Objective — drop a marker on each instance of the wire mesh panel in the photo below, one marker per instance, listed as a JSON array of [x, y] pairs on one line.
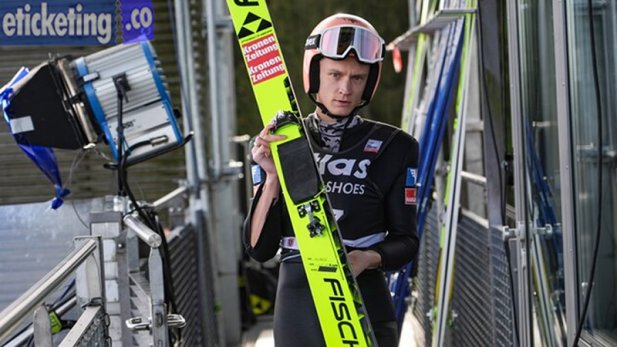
[[90, 330], [481, 296], [502, 291], [425, 280], [182, 251], [472, 299]]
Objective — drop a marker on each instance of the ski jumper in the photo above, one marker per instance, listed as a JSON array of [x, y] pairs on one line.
[[370, 183]]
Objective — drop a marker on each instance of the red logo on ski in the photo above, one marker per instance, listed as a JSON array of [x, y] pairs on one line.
[[263, 59]]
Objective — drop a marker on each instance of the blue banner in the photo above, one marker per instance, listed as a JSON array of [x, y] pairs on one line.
[[137, 20], [76, 23]]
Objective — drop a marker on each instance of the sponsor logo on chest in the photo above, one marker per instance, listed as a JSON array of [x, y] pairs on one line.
[[342, 166]]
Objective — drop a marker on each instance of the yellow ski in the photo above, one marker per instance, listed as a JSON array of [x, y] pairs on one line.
[[337, 299]]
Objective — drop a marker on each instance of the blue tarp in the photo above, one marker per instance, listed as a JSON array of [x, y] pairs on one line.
[[43, 157]]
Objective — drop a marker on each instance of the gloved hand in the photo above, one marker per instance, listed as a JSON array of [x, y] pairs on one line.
[[261, 149]]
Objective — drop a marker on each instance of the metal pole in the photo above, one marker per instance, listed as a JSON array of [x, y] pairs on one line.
[[211, 40], [473, 178], [224, 187], [524, 298], [565, 168], [196, 167], [146, 234], [161, 202]]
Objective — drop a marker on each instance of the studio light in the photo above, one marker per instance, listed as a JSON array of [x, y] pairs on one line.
[[73, 103]]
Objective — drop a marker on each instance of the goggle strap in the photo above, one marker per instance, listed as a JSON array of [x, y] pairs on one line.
[[312, 42]]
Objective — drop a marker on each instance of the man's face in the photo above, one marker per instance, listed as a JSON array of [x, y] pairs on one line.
[[341, 83]]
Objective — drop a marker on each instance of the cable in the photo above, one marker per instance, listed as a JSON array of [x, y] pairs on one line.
[[80, 155], [61, 299], [149, 217], [124, 189], [596, 84], [122, 87], [102, 154]]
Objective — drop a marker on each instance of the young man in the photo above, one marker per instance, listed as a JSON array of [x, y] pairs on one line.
[[369, 171]]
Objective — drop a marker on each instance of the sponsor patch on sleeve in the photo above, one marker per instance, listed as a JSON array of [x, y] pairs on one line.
[[410, 179], [372, 146], [410, 196]]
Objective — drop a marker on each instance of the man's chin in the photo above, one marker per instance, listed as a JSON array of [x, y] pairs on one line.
[[340, 112]]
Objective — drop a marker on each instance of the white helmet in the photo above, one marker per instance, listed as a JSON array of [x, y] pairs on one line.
[[335, 37]]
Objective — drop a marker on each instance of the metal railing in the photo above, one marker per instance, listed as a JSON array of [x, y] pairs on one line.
[[16, 313], [106, 316]]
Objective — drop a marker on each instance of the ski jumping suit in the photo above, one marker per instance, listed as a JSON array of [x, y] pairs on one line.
[[371, 185]]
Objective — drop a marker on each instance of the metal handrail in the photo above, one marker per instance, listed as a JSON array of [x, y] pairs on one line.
[[475, 217], [14, 314], [474, 178], [164, 200]]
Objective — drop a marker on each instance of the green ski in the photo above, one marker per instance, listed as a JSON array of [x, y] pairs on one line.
[[337, 299]]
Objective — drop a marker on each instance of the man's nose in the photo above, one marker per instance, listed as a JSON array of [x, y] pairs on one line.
[[345, 86]]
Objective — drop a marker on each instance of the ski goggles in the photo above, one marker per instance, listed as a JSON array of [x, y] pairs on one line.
[[338, 41]]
